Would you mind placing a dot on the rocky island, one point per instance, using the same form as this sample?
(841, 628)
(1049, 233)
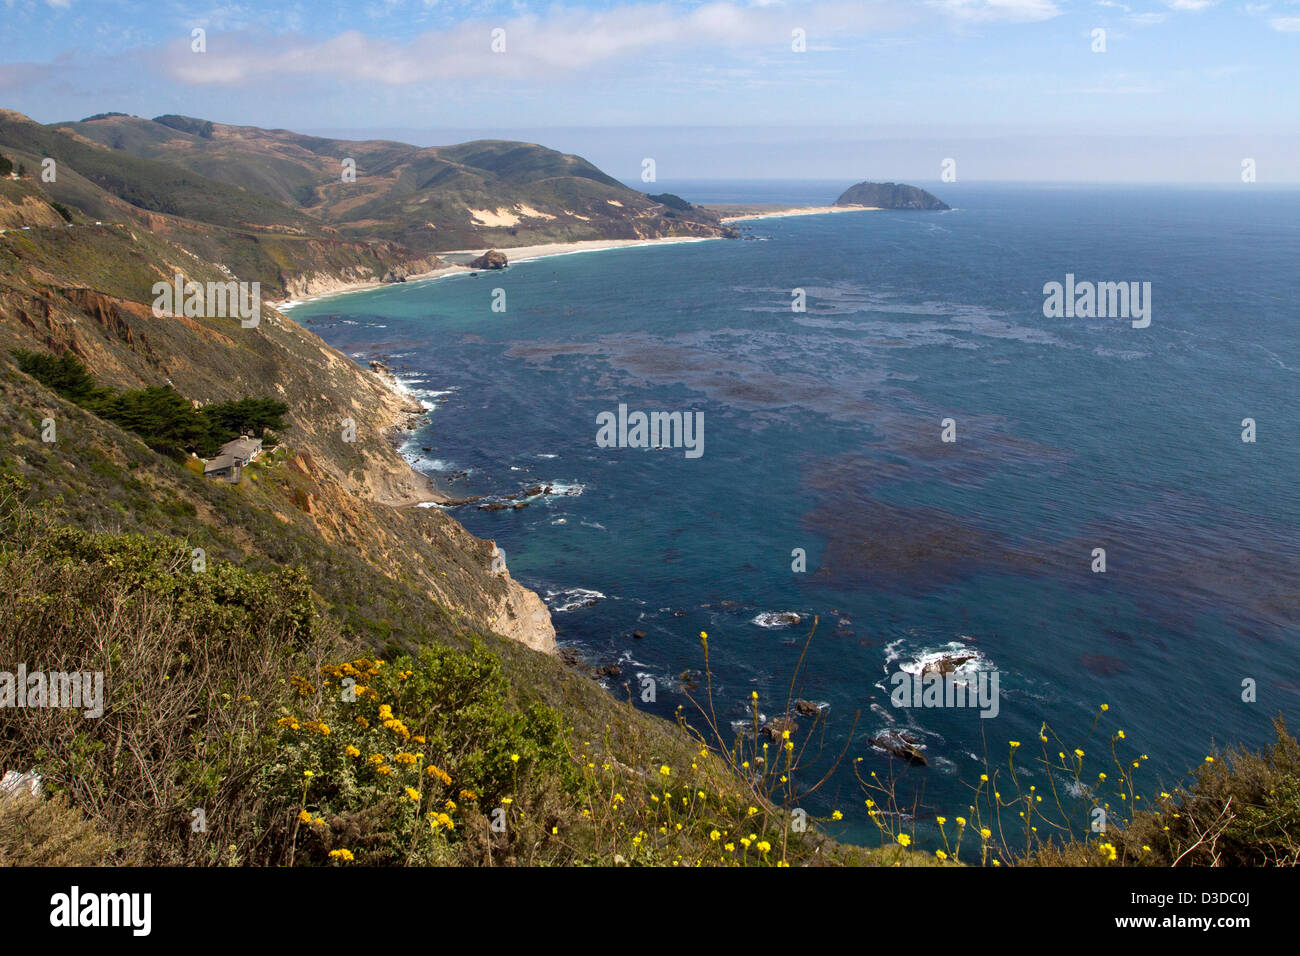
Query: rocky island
(890, 196)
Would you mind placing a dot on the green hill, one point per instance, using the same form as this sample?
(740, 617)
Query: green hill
(483, 193)
(253, 236)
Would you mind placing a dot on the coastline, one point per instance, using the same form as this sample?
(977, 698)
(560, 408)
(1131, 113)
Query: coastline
(416, 411)
(349, 287)
(549, 249)
(513, 254)
(401, 432)
(746, 213)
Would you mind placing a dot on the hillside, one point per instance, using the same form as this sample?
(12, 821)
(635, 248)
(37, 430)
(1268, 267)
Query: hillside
(254, 237)
(313, 562)
(483, 193)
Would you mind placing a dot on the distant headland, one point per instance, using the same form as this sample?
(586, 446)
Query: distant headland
(857, 198)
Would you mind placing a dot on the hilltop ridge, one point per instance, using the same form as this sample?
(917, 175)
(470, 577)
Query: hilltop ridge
(485, 192)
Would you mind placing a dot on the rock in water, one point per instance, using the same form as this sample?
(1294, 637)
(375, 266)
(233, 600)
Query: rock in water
(900, 743)
(775, 729)
(494, 260)
(890, 196)
(806, 708)
(946, 664)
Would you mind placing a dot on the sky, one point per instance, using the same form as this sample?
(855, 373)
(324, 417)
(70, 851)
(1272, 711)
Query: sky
(1172, 91)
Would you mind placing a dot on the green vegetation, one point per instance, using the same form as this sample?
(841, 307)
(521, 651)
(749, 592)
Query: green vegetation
(420, 186)
(230, 698)
(247, 730)
(186, 124)
(166, 420)
(148, 184)
(1239, 808)
(6, 165)
(673, 201)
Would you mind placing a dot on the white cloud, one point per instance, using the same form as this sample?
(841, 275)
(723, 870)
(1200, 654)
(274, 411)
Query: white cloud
(1285, 24)
(1010, 11)
(565, 40)
(1190, 4)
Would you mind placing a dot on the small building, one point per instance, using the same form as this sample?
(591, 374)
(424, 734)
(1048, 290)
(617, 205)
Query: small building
(243, 449)
(223, 466)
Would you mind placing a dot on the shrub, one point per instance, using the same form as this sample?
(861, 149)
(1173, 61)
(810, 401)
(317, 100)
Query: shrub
(166, 420)
(37, 832)
(399, 763)
(195, 668)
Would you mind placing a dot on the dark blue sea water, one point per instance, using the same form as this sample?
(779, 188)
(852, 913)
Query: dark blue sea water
(822, 432)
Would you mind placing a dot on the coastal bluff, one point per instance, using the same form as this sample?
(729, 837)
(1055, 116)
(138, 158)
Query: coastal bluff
(890, 196)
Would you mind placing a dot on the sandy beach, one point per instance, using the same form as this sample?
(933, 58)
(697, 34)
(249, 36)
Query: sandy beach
(513, 254)
(525, 253)
(746, 213)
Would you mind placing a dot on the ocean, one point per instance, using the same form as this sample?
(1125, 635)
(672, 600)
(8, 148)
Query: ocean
(823, 436)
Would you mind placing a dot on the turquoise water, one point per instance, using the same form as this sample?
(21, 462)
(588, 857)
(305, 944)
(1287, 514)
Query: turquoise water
(822, 432)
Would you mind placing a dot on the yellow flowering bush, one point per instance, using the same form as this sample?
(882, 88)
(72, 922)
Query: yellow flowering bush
(433, 730)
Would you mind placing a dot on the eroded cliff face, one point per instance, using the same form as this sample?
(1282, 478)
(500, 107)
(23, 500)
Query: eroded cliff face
(524, 617)
(338, 478)
(519, 613)
(421, 546)
(325, 282)
(17, 211)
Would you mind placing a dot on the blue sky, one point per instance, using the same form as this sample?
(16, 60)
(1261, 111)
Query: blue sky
(1010, 88)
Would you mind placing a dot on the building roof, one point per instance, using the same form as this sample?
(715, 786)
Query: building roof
(242, 447)
(220, 463)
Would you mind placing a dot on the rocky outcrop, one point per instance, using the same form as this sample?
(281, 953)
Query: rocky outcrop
(492, 259)
(890, 196)
(776, 729)
(345, 278)
(522, 616)
(900, 743)
(806, 708)
(946, 664)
